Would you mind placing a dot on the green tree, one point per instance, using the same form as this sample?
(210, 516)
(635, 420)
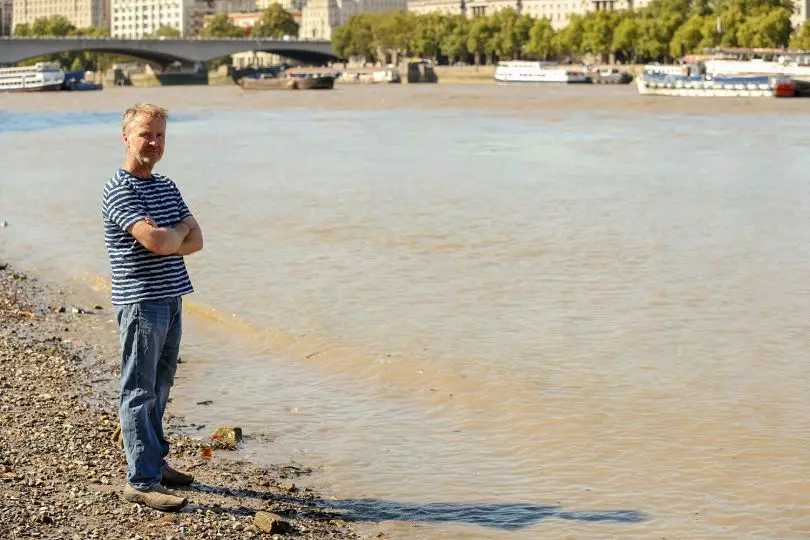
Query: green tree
(453, 40)
(688, 37)
(221, 26)
(568, 40)
(625, 37)
(276, 22)
(55, 25)
(597, 32)
(22, 30)
(479, 38)
(801, 37)
(356, 38)
(426, 34)
(167, 31)
(540, 44)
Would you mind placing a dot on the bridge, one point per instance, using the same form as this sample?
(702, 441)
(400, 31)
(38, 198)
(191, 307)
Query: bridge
(165, 51)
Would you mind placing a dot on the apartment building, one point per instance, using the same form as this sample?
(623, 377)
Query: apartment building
(80, 13)
(801, 12)
(557, 11)
(135, 19)
(6, 9)
(320, 17)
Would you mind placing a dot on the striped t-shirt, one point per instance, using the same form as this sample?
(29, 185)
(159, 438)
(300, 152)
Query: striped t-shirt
(137, 273)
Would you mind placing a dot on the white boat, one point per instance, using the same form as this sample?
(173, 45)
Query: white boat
(40, 77)
(702, 85)
(538, 72)
(758, 62)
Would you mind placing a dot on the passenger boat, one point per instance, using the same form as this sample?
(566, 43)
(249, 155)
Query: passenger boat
(702, 85)
(289, 81)
(42, 76)
(610, 76)
(739, 61)
(538, 72)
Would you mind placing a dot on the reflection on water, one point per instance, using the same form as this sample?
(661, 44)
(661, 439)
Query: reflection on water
(479, 324)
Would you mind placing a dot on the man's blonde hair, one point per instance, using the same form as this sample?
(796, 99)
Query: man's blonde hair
(145, 109)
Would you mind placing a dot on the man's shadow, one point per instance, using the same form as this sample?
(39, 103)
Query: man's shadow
(507, 516)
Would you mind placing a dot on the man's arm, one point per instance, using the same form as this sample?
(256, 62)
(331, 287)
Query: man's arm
(193, 242)
(159, 240)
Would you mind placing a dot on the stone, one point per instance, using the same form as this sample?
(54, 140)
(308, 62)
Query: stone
(228, 436)
(271, 523)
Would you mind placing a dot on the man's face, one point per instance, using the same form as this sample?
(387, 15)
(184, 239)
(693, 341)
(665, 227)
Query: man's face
(145, 138)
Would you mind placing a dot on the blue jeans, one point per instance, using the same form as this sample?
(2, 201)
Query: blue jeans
(150, 342)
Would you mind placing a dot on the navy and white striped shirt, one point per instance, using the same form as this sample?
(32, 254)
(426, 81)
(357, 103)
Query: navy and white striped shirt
(137, 273)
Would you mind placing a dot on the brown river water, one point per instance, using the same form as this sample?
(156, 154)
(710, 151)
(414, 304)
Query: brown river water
(480, 311)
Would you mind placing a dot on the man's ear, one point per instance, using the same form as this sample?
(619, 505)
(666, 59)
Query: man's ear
(124, 137)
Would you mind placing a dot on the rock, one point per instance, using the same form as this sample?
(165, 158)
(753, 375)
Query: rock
(228, 436)
(289, 487)
(271, 523)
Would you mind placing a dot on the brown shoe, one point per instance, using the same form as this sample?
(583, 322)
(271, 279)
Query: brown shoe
(157, 497)
(173, 477)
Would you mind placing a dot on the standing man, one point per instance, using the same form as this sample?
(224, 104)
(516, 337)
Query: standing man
(148, 229)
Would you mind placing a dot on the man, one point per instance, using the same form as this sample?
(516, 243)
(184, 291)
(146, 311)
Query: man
(147, 230)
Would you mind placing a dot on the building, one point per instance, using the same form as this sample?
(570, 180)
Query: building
(801, 12)
(320, 17)
(137, 19)
(80, 13)
(557, 11)
(6, 9)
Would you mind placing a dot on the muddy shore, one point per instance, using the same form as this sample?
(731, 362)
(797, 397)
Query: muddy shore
(61, 475)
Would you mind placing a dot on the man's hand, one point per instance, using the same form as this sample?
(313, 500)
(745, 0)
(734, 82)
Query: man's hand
(193, 242)
(159, 240)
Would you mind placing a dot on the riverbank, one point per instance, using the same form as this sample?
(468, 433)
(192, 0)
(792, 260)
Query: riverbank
(60, 473)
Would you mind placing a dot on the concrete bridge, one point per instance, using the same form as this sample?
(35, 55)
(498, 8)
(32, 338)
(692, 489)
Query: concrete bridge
(164, 51)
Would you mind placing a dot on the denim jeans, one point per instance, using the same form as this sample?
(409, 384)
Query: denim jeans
(150, 333)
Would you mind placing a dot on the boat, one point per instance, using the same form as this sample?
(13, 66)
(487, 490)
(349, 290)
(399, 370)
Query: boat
(740, 61)
(76, 81)
(288, 81)
(40, 77)
(609, 76)
(312, 81)
(420, 70)
(514, 71)
(388, 75)
(704, 85)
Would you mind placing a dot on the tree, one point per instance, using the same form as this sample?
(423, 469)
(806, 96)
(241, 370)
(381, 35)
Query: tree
(427, 31)
(597, 32)
(625, 37)
(541, 39)
(478, 38)
(22, 30)
(167, 31)
(55, 25)
(569, 39)
(801, 37)
(688, 37)
(221, 26)
(356, 38)
(453, 40)
(276, 22)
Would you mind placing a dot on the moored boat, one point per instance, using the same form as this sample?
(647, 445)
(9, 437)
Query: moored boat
(701, 85)
(41, 77)
(610, 76)
(515, 71)
(289, 81)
